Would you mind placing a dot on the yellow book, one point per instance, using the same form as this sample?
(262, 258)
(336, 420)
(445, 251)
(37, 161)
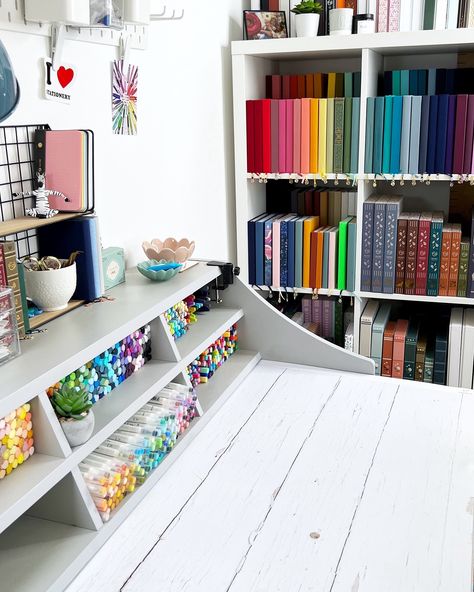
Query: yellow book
(323, 105)
(313, 152)
(331, 85)
(310, 224)
(330, 137)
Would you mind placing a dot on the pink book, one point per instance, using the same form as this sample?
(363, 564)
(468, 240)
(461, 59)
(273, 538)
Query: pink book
(382, 16)
(469, 135)
(64, 167)
(289, 135)
(297, 136)
(332, 262)
(286, 87)
(276, 253)
(393, 15)
(305, 135)
(275, 121)
(282, 137)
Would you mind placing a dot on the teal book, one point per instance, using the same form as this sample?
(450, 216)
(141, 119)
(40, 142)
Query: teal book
(378, 134)
(369, 135)
(422, 82)
(356, 84)
(429, 14)
(404, 82)
(396, 82)
(325, 258)
(355, 135)
(299, 252)
(406, 129)
(413, 86)
(397, 112)
(347, 135)
(348, 84)
(338, 154)
(431, 83)
(351, 254)
(387, 135)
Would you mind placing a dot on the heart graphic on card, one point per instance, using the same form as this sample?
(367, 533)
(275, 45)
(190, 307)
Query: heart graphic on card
(65, 76)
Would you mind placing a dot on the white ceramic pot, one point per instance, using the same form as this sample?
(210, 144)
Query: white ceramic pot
(78, 431)
(340, 21)
(307, 25)
(52, 289)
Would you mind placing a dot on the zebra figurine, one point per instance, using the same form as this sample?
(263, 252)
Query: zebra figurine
(41, 194)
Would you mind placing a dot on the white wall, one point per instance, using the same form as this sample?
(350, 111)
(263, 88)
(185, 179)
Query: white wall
(176, 177)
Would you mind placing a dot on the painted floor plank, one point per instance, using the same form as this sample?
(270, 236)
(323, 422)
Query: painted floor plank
(119, 557)
(204, 547)
(304, 534)
(396, 539)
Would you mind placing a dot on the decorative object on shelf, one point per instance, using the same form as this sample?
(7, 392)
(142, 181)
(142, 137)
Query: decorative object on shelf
(10, 93)
(159, 271)
(204, 367)
(363, 24)
(169, 250)
(9, 341)
(73, 408)
(16, 439)
(113, 265)
(41, 195)
(182, 314)
(307, 18)
(340, 21)
(259, 24)
(110, 368)
(51, 282)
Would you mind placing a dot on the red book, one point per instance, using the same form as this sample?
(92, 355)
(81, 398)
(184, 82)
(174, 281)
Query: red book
(424, 230)
(258, 127)
(469, 135)
(285, 87)
(275, 145)
(267, 135)
(301, 86)
(412, 250)
(387, 348)
(309, 86)
(445, 260)
(454, 259)
(297, 136)
(401, 253)
(273, 5)
(276, 87)
(268, 86)
(460, 134)
(250, 105)
(293, 87)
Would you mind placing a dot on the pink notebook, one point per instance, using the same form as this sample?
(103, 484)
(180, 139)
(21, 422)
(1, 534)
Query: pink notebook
(282, 137)
(64, 166)
(394, 15)
(382, 16)
(305, 135)
(289, 135)
(275, 122)
(297, 136)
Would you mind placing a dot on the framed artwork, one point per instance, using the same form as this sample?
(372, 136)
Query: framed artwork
(260, 24)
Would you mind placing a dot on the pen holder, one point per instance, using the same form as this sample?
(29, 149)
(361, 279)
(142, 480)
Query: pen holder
(340, 21)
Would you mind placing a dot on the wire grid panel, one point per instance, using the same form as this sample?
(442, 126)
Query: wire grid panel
(17, 175)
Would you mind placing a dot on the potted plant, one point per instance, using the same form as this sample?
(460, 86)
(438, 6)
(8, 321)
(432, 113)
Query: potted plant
(307, 18)
(73, 408)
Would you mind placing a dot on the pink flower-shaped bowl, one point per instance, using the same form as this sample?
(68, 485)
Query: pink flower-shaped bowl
(170, 250)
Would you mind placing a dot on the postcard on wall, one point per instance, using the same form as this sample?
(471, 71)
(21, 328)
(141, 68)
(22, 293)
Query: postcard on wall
(59, 83)
(124, 98)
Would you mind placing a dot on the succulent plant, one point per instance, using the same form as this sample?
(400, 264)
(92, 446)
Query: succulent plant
(71, 402)
(307, 7)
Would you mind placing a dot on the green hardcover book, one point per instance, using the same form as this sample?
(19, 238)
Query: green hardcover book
(411, 341)
(348, 84)
(24, 303)
(396, 82)
(346, 167)
(356, 80)
(404, 82)
(330, 136)
(339, 84)
(387, 135)
(338, 135)
(355, 135)
(342, 254)
(429, 363)
(351, 254)
(338, 323)
(429, 14)
(325, 258)
(463, 267)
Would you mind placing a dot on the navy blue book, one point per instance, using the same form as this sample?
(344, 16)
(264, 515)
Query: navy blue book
(251, 249)
(397, 110)
(441, 133)
(413, 82)
(450, 87)
(432, 136)
(425, 115)
(440, 81)
(448, 163)
(387, 82)
(284, 253)
(291, 252)
(62, 238)
(422, 82)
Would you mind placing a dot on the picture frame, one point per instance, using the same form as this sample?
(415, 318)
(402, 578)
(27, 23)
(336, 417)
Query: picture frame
(264, 24)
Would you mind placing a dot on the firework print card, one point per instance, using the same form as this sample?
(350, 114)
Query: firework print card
(124, 98)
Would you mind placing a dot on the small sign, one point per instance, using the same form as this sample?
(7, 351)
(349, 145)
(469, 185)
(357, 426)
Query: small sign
(58, 84)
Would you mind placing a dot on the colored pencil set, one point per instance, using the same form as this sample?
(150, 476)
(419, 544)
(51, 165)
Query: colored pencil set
(16, 439)
(180, 316)
(109, 369)
(203, 368)
(129, 455)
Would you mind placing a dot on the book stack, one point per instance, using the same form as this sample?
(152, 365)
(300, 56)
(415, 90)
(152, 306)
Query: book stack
(413, 253)
(434, 81)
(413, 134)
(315, 250)
(303, 136)
(320, 85)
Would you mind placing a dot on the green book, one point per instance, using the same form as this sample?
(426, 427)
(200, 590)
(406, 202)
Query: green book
(463, 267)
(404, 82)
(351, 254)
(429, 14)
(355, 135)
(429, 363)
(330, 136)
(342, 254)
(348, 90)
(24, 303)
(387, 134)
(338, 135)
(346, 167)
(356, 84)
(411, 341)
(396, 82)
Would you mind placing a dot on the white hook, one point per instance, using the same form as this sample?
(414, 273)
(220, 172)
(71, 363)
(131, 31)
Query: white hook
(162, 17)
(57, 43)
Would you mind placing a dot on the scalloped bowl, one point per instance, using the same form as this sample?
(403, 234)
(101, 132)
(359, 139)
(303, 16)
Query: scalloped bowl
(170, 250)
(156, 276)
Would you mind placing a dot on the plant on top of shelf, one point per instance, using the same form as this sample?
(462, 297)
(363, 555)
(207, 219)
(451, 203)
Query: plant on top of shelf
(73, 408)
(307, 7)
(307, 18)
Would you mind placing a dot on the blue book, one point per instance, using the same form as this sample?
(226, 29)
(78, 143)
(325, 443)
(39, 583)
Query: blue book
(413, 84)
(434, 255)
(441, 133)
(397, 111)
(378, 134)
(441, 81)
(351, 254)
(356, 80)
(369, 136)
(378, 247)
(448, 163)
(291, 252)
(431, 85)
(325, 258)
(392, 212)
(405, 136)
(404, 82)
(450, 87)
(251, 249)
(355, 136)
(415, 128)
(422, 82)
(387, 134)
(425, 115)
(284, 250)
(432, 136)
(396, 82)
(387, 83)
(367, 243)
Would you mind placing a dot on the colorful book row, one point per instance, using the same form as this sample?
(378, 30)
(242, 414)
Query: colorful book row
(435, 81)
(303, 136)
(286, 250)
(420, 135)
(313, 86)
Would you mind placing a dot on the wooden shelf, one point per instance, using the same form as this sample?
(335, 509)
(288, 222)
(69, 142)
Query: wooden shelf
(28, 223)
(46, 317)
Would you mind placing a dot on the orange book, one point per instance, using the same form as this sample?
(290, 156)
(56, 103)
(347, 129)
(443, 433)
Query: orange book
(309, 86)
(314, 139)
(340, 4)
(318, 85)
(445, 260)
(387, 348)
(305, 135)
(310, 224)
(319, 256)
(454, 259)
(301, 86)
(398, 355)
(313, 257)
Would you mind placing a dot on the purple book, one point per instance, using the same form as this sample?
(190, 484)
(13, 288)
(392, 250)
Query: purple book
(448, 165)
(275, 135)
(306, 306)
(460, 133)
(289, 134)
(469, 135)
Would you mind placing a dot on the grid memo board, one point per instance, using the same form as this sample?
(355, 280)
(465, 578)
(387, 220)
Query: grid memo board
(17, 174)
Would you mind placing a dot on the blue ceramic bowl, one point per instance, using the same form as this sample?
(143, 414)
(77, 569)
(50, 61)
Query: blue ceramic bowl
(156, 276)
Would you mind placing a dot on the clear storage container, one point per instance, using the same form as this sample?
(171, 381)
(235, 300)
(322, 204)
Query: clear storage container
(9, 340)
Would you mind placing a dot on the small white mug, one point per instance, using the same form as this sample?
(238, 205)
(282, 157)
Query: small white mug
(340, 21)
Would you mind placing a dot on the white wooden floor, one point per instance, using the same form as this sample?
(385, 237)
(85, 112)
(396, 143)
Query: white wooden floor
(308, 480)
